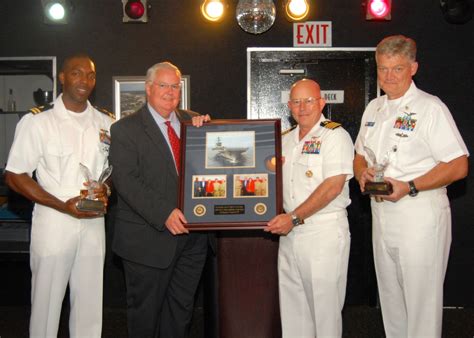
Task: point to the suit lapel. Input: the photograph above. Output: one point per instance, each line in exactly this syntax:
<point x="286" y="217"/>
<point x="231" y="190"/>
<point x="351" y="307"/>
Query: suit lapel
<point x="156" y="136"/>
<point x="182" y="115"/>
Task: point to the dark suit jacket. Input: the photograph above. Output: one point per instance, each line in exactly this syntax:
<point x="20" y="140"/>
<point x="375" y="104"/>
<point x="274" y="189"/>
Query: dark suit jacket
<point x="145" y="179"/>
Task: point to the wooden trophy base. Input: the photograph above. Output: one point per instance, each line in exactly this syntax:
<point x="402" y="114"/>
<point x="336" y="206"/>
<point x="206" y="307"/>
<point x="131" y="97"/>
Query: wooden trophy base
<point x="378" y="188"/>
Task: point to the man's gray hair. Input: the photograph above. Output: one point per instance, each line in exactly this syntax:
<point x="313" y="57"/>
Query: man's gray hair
<point x="397" y="45"/>
<point x="151" y="72"/>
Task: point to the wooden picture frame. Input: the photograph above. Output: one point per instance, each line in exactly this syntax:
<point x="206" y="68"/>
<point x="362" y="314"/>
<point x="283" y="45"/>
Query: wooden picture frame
<point x="129" y="94"/>
<point x="230" y="174"/>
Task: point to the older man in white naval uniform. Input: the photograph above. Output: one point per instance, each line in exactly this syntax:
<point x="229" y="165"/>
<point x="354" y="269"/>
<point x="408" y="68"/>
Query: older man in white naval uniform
<point x="412" y="227"/>
<point x="313" y="256"/>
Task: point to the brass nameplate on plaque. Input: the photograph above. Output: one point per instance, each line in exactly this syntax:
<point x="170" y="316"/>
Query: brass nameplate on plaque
<point x="234" y="209"/>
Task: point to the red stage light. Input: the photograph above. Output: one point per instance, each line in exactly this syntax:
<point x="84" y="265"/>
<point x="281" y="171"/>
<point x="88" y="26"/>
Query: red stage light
<point x="378" y="10"/>
<point x="135" y="11"/>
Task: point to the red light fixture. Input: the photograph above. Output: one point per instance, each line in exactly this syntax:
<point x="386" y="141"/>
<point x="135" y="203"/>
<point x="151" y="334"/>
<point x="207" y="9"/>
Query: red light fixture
<point x="378" y="10"/>
<point x="135" y="11"/>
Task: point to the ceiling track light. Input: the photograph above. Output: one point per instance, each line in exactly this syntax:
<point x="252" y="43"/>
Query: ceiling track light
<point x="56" y="12"/>
<point x="456" y="11"/>
<point x="296" y="10"/>
<point x="213" y="10"/>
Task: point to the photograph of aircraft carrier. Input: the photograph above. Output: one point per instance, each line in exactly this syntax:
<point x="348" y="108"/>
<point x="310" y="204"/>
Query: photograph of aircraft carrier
<point x="230" y="149"/>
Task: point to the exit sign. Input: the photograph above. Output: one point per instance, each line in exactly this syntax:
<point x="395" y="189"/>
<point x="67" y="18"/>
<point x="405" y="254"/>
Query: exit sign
<point x="312" y="34"/>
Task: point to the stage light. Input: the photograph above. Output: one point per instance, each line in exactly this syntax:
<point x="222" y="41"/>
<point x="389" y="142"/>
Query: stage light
<point x="135" y="11"/>
<point x="456" y="11"/>
<point x="56" y="12"/>
<point x="296" y="10"/>
<point x="213" y="10"/>
<point x="378" y="10"/>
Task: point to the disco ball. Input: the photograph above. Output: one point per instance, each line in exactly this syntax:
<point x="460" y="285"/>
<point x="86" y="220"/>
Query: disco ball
<point x="255" y="16"/>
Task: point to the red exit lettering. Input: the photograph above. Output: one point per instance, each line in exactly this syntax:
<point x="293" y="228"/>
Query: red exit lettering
<point x="312" y="33"/>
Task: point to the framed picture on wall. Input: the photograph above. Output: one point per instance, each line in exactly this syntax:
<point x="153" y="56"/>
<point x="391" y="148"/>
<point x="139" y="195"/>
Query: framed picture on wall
<point x="230" y="174"/>
<point x="129" y="94"/>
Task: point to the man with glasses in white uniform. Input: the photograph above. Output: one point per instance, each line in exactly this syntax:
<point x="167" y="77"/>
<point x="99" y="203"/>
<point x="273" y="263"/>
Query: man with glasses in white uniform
<point x="412" y="226"/>
<point x="315" y="239"/>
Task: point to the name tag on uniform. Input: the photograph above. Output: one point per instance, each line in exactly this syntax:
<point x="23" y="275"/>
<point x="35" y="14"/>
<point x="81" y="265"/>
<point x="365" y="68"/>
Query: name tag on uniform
<point x="312" y="146"/>
<point x="369" y="123"/>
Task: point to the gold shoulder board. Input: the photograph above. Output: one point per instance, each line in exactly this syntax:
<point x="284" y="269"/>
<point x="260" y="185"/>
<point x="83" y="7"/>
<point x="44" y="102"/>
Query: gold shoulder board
<point x="330" y="124"/>
<point x="105" y="111"/>
<point x="288" y="130"/>
<point x="39" y="109"/>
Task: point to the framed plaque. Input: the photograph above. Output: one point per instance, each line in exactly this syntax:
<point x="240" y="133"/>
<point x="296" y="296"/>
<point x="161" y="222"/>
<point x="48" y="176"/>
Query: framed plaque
<point x="230" y="174"/>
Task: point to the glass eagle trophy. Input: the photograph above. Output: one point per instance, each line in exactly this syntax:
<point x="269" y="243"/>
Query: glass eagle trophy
<point x="89" y="201"/>
<point x="379" y="186"/>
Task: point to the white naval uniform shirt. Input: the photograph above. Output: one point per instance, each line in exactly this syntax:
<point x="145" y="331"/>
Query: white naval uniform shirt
<point x="412" y="237"/>
<point x="322" y="153"/>
<point x="422" y="130"/>
<point x="53" y="144"/>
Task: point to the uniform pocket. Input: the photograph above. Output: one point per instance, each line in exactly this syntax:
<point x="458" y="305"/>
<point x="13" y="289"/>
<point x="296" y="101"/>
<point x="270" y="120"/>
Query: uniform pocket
<point x="310" y="169"/>
<point x="309" y="160"/>
<point x="58" y="149"/>
<point x="58" y="157"/>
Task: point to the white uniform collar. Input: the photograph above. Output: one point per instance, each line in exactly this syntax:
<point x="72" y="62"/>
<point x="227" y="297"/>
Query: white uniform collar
<point x="315" y="127"/>
<point x="409" y="94"/>
<point x="61" y="115"/>
<point x="59" y="110"/>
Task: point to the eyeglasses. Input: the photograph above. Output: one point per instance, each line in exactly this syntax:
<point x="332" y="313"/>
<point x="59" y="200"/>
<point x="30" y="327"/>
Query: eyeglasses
<point x="162" y="85"/>
<point x="307" y="101"/>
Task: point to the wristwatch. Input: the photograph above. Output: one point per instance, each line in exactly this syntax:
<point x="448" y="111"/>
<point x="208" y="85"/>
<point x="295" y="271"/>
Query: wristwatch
<point x="413" y="190"/>
<point x="295" y="219"/>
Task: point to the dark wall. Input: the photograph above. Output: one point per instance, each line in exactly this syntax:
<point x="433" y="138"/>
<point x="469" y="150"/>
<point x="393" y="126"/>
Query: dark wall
<point x="214" y="55"/>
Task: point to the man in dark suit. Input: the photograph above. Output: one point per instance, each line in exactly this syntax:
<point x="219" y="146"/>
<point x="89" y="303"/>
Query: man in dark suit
<point x="162" y="260"/>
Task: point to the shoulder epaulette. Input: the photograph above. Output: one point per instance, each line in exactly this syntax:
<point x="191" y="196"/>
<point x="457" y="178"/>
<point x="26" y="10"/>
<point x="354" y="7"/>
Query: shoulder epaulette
<point x="105" y="111"/>
<point x="288" y="130"/>
<point x="39" y="109"/>
<point x="330" y="124"/>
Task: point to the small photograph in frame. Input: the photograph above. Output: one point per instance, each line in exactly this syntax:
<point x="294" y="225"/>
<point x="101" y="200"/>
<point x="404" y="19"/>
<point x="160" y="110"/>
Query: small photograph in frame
<point x="250" y="185"/>
<point x="129" y="94"/>
<point x="209" y="186"/>
<point x="230" y="149"/>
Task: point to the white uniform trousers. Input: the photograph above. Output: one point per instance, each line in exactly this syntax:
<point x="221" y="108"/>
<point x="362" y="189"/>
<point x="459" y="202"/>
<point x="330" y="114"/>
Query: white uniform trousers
<point x="411" y="240"/>
<point x="312" y="271"/>
<point x="64" y="249"/>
